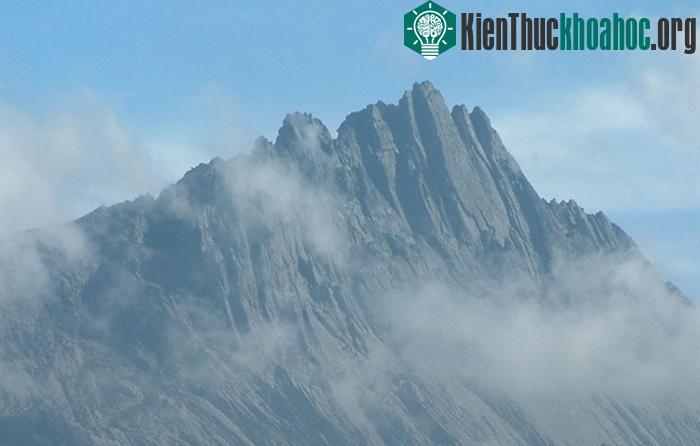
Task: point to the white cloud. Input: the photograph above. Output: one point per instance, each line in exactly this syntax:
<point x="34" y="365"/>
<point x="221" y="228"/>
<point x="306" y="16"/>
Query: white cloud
<point x="630" y="145"/>
<point x="621" y="333"/>
<point x="65" y="162"/>
<point x="24" y="273"/>
<point x="271" y="194"/>
<point x="214" y="126"/>
<point x="82" y="154"/>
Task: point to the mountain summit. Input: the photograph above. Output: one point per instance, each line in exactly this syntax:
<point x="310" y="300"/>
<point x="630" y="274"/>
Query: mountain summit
<point x="402" y="283"/>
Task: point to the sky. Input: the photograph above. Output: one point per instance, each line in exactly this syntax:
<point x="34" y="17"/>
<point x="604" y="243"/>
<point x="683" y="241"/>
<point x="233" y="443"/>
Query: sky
<point x="103" y="101"/>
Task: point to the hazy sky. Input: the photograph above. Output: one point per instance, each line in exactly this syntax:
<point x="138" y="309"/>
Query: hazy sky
<point x="102" y="101"/>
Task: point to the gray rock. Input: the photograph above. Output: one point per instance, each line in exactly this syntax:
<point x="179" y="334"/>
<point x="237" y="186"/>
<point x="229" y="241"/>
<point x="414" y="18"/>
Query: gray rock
<point x="247" y="303"/>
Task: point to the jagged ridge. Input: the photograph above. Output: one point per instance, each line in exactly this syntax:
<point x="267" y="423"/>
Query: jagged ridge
<point x="226" y="310"/>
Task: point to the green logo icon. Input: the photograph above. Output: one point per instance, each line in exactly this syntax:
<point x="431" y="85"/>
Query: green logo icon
<point x="429" y="30"/>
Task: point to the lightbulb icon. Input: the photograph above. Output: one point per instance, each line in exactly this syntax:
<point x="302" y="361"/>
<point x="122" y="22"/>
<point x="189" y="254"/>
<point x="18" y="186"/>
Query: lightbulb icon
<point x="430" y="28"/>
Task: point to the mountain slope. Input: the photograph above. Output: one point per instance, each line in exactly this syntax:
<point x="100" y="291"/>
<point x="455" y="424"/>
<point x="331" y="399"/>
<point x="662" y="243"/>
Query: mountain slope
<point x="332" y="291"/>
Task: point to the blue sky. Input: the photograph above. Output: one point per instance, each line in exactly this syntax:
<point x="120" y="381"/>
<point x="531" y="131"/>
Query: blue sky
<point x="100" y="101"/>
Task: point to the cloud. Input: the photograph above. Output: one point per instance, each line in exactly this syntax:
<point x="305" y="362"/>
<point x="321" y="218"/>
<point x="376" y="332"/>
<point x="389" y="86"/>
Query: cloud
<point x="206" y="348"/>
<point x="608" y="327"/>
<point x="628" y="147"/>
<point x="33" y="267"/>
<point x="56" y="166"/>
<point x="213" y="125"/>
<point x="284" y="193"/>
<point x="625" y="146"/>
<point x="669" y="90"/>
<point x="81" y="154"/>
<point x="268" y="194"/>
<point x="27" y="260"/>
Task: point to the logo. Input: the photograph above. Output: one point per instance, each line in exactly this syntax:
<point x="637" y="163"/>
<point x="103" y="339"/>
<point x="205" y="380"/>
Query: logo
<point x="429" y="30"/>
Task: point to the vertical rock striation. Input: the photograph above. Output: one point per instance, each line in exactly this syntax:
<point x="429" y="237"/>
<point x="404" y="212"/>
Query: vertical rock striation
<point x="245" y="304"/>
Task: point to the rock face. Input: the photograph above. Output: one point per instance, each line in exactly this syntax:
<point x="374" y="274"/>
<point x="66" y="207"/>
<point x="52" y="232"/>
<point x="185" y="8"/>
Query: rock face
<point x="254" y="301"/>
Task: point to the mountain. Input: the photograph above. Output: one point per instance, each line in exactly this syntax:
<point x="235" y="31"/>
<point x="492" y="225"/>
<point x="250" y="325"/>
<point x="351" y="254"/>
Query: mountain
<point x="400" y="284"/>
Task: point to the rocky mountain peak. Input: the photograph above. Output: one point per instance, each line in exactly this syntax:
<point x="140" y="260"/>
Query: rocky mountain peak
<point x="302" y="132"/>
<point x="318" y="291"/>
